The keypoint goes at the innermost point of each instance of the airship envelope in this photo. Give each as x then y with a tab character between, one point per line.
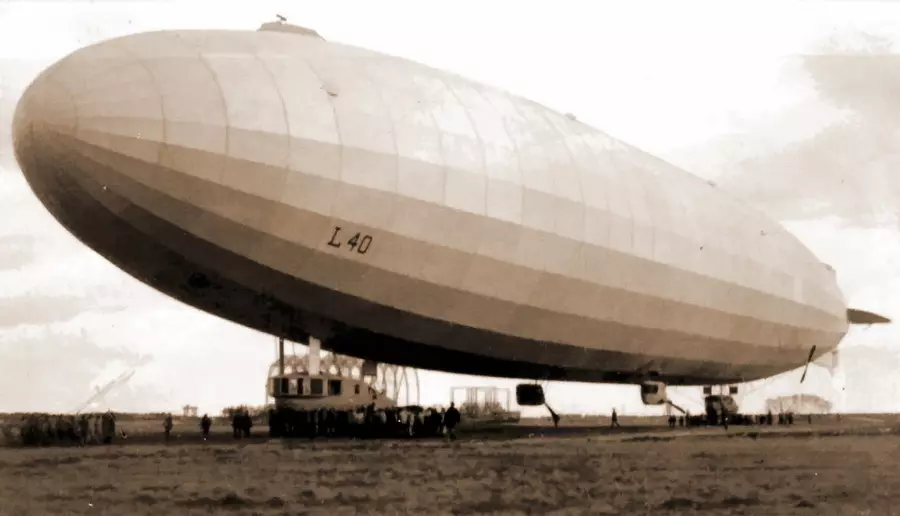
407	215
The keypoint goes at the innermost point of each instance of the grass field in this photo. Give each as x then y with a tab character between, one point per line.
825	468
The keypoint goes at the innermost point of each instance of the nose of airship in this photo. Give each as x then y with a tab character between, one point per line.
78	122
44	119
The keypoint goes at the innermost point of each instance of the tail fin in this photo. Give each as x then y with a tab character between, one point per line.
855	316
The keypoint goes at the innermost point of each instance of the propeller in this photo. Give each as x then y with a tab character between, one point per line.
808	360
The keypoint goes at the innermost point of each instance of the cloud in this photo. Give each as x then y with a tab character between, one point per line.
16	251
844	171
51	370
847	169
196	358
62	267
42	310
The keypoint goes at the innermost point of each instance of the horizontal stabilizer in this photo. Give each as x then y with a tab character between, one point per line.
855	316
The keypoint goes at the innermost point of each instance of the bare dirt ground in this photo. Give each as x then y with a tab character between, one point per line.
829	467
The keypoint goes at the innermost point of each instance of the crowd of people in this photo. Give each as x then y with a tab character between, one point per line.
365	422
362	422
715	417
54	429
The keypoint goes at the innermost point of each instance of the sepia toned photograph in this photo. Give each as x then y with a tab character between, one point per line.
501	257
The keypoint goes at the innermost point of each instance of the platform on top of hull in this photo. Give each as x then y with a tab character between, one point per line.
281	25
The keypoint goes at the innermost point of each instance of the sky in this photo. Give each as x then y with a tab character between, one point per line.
789	106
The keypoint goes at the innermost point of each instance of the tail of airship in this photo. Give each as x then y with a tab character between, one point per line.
856	316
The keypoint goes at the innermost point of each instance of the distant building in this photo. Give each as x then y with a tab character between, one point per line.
799	404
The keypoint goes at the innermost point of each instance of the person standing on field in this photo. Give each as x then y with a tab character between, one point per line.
451	419
205	423
167	426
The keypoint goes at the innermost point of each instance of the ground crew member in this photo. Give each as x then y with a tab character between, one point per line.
276	426
98	429
8	435
615	419
442	413
205	423
84	425
167	426
236	424
451	419
109	427
246	423
434	423
712	416
112	425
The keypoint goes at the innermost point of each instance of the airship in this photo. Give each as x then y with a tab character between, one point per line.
377	207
